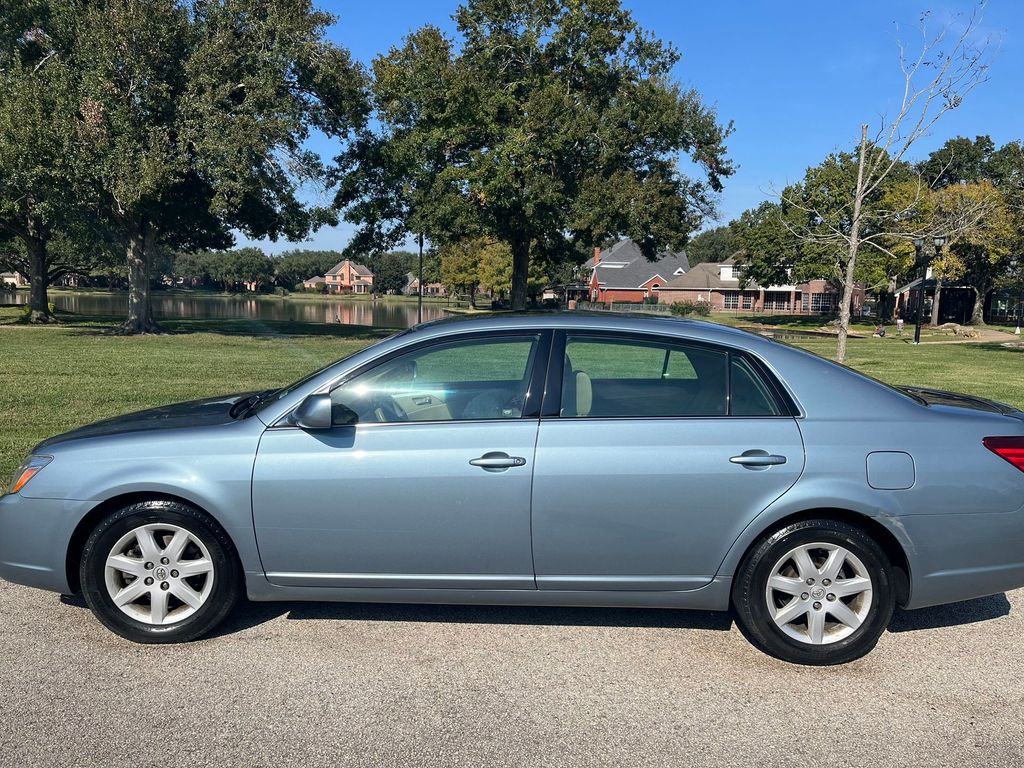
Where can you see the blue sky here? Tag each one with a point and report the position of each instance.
(797, 78)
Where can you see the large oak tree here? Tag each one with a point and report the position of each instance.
(195, 114)
(40, 194)
(548, 125)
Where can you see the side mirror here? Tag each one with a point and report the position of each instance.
(313, 413)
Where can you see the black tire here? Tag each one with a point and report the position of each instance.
(226, 575)
(750, 602)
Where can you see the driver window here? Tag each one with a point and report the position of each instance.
(465, 380)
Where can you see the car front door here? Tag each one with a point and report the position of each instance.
(424, 482)
(658, 455)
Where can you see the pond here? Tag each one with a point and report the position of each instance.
(382, 313)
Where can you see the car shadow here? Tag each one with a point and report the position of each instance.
(952, 615)
(249, 614)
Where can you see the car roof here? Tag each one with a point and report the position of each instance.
(589, 320)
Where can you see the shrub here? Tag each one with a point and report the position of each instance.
(684, 308)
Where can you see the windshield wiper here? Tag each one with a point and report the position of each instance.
(244, 406)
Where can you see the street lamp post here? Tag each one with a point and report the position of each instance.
(918, 246)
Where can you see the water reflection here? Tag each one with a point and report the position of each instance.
(381, 313)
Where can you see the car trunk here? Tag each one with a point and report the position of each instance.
(956, 400)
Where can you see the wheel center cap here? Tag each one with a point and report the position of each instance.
(817, 593)
(160, 573)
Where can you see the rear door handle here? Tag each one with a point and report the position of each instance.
(758, 459)
(496, 461)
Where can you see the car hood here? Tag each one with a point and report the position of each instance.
(195, 413)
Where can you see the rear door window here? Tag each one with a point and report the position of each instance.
(626, 377)
(623, 377)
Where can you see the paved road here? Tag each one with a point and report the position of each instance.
(297, 684)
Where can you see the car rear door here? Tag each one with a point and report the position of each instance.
(651, 460)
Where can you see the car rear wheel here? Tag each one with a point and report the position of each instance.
(159, 572)
(815, 592)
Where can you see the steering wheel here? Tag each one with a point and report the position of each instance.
(490, 405)
(386, 408)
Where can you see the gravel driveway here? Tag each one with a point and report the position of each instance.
(335, 684)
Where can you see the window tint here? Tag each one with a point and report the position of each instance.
(461, 380)
(631, 377)
(750, 395)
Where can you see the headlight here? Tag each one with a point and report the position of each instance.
(29, 469)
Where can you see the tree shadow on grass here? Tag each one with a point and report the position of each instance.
(102, 325)
(802, 321)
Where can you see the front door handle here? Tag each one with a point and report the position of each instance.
(496, 461)
(758, 459)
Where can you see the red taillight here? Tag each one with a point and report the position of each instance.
(1009, 448)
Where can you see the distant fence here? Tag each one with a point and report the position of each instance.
(624, 306)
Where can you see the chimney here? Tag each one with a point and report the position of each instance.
(597, 255)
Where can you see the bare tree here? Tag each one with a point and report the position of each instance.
(949, 65)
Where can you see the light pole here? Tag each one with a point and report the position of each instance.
(918, 246)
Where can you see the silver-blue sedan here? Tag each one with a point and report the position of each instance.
(561, 459)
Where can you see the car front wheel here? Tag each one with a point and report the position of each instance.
(159, 572)
(815, 592)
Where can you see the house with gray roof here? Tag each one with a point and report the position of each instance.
(623, 273)
(721, 285)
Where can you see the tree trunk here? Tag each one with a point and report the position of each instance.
(978, 313)
(520, 269)
(851, 259)
(39, 278)
(935, 300)
(140, 255)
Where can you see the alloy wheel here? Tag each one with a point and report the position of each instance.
(819, 593)
(159, 574)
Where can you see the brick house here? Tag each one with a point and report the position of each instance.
(312, 282)
(623, 273)
(348, 277)
(411, 287)
(721, 286)
(956, 300)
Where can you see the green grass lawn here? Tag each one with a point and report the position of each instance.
(54, 378)
(987, 370)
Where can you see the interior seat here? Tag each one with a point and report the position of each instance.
(577, 391)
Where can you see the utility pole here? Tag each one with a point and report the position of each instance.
(419, 292)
